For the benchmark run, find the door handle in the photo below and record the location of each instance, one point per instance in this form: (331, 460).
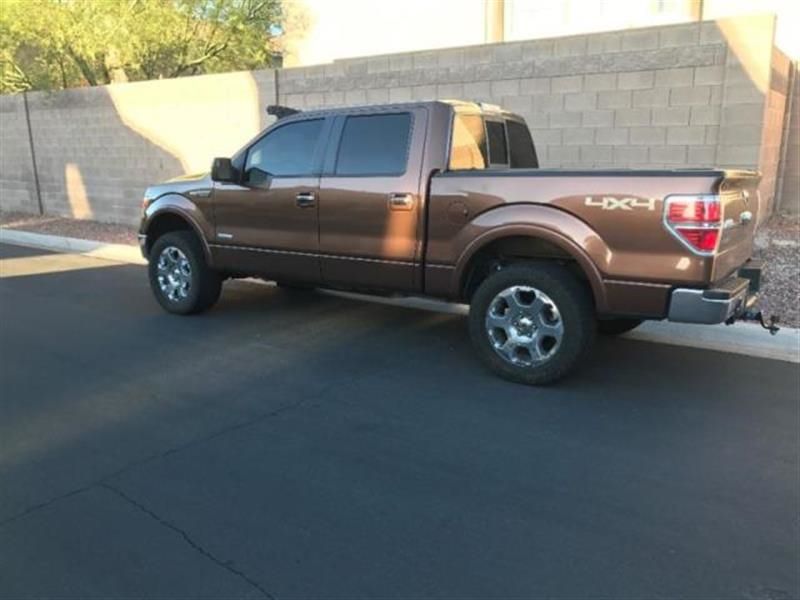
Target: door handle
(401, 201)
(305, 199)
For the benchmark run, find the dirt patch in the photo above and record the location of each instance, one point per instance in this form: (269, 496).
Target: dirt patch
(75, 228)
(778, 244)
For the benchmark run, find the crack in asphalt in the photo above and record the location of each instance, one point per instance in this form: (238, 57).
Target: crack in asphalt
(153, 457)
(227, 565)
(257, 419)
(103, 482)
(35, 507)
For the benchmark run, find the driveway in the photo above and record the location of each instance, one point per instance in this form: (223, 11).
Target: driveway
(303, 445)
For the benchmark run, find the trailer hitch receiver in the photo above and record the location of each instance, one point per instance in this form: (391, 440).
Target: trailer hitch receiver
(770, 324)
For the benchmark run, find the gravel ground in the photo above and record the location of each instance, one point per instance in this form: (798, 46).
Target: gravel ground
(76, 228)
(777, 242)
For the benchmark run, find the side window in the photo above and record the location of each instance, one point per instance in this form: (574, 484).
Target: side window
(288, 150)
(374, 145)
(468, 144)
(498, 154)
(523, 154)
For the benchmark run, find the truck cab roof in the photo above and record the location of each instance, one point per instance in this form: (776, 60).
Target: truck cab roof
(454, 105)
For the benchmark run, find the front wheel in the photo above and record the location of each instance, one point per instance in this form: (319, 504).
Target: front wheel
(180, 277)
(531, 323)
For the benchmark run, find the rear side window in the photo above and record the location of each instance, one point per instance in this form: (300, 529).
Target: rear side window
(374, 145)
(468, 144)
(498, 154)
(288, 150)
(523, 154)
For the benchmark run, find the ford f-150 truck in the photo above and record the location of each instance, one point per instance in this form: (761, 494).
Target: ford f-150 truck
(446, 199)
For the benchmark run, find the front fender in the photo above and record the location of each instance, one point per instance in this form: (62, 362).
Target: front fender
(185, 209)
(552, 225)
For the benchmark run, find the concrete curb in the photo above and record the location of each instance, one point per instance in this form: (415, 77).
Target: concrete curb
(747, 339)
(115, 252)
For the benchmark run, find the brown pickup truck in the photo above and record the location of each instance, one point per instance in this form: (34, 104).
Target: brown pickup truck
(447, 200)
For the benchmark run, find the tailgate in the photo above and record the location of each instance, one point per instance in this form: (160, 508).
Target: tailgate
(740, 200)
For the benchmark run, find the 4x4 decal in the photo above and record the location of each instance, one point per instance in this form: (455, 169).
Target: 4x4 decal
(612, 203)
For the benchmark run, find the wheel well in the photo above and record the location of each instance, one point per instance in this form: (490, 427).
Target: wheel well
(165, 223)
(505, 251)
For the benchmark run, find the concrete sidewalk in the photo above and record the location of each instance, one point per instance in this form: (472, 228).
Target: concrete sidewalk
(742, 338)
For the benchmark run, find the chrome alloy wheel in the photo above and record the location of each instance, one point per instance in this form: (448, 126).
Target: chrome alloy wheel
(174, 274)
(524, 326)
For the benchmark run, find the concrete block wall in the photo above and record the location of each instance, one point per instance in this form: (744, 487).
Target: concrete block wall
(789, 171)
(98, 148)
(647, 97)
(17, 183)
(775, 107)
(696, 94)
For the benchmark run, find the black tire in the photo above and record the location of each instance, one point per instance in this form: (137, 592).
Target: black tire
(617, 326)
(205, 284)
(575, 314)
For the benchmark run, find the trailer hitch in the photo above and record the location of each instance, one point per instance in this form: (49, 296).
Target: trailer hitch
(770, 325)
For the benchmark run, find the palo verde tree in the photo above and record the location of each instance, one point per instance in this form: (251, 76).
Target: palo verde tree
(57, 44)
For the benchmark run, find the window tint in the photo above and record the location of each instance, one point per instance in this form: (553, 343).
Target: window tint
(288, 150)
(498, 155)
(374, 145)
(468, 146)
(523, 154)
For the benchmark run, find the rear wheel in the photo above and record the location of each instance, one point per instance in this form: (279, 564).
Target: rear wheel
(617, 326)
(180, 278)
(531, 323)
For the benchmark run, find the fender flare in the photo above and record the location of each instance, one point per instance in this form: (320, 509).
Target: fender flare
(186, 210)
(551, 229)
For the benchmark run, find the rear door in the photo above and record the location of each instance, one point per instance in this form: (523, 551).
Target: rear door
(369, 204)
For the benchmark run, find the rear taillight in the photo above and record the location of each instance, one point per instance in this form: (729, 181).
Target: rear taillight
(696, 220)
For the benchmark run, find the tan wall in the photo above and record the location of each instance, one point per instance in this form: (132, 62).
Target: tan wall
(17, 184)
(774, 115)
(693, 95)
(789, 172)
(98, 148)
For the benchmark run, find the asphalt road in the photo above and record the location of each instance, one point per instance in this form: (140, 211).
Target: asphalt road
(310, 446)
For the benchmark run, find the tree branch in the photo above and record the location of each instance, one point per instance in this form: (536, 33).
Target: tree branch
(83, 66)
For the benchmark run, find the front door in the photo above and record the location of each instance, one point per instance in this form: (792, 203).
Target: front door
(268, 223)
(370, 202)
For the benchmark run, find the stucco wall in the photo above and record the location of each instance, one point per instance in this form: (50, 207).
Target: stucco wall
(684, 95)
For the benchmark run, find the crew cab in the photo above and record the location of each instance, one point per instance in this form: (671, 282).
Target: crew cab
(446, 199)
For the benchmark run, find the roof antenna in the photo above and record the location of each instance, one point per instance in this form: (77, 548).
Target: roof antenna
(281, 112)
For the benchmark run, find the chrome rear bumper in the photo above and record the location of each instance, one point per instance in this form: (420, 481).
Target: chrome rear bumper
(727, 300)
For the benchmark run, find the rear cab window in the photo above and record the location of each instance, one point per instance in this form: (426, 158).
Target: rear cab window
(492, 142)
(498, 149)
(520, 143)
(468, 148)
